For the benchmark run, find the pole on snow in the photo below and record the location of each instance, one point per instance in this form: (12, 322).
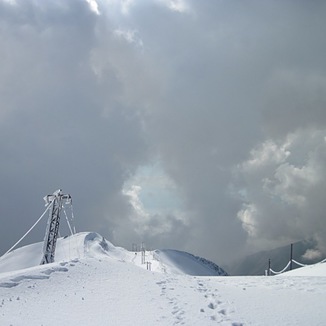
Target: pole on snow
(269, 267)
(51, 233)
(291, 256)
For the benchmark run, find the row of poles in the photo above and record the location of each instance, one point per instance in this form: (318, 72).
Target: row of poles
(141, 249)
(289, 265)
(291, 260)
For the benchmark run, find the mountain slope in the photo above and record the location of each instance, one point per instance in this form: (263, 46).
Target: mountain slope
(180, 262)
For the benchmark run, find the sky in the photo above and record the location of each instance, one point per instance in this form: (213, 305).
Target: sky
(192, 125)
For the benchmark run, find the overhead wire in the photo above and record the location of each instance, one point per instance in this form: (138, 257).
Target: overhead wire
(72, 218)
(32, 227)
(64, 211)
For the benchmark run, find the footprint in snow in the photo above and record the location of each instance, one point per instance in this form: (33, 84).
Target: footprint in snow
(18, 279)
(8, 284)
(201, 287)
(222, 312)
(161, 282)
(54, 269)
(29, 277)
(212, 305)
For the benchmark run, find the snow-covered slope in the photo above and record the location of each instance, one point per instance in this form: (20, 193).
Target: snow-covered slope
(179, 262)
(94, 283)
(80, 245)
(93, 245)
(318, 269)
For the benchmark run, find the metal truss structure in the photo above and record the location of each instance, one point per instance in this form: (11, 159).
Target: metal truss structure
(57, 199)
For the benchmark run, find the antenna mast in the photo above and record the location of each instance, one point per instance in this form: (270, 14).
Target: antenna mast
(51, 234)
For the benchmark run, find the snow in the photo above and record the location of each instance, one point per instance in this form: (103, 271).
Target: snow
(93, 282)
(178, 262)
(313, 270)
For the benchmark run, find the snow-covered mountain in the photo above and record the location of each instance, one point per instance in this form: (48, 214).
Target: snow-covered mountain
(93, 282)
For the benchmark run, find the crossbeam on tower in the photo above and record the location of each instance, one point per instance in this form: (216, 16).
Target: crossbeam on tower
(52, 230)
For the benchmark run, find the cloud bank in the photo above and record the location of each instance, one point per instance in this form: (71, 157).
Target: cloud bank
(226, 99)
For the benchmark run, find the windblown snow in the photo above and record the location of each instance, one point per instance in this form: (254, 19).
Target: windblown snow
(92, 282)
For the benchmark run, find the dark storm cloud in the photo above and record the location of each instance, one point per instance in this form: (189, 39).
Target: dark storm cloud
(203, 87)
(60, 127)
(239, 74)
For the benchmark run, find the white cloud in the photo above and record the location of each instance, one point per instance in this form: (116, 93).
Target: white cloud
(248, 218)
(291, 183)
(118, 6)
(157, 209)
(131, 36)
(150, 223)
(285, 180)
(268, 153)
(312, 254)
(180, 6)
(93, 6)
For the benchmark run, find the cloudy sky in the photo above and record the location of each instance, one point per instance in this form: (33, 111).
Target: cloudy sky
(194, 125)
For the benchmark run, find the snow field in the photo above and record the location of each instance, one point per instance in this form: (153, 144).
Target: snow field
(95, 283)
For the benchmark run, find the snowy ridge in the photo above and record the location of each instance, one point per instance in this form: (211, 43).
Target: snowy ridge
(79, 246)
(92, 282)
(180, 262)
(93, 245)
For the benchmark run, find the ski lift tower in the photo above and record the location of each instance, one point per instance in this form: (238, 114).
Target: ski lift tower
(51, 234)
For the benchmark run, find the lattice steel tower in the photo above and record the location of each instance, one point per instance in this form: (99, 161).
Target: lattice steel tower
(52, 230)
